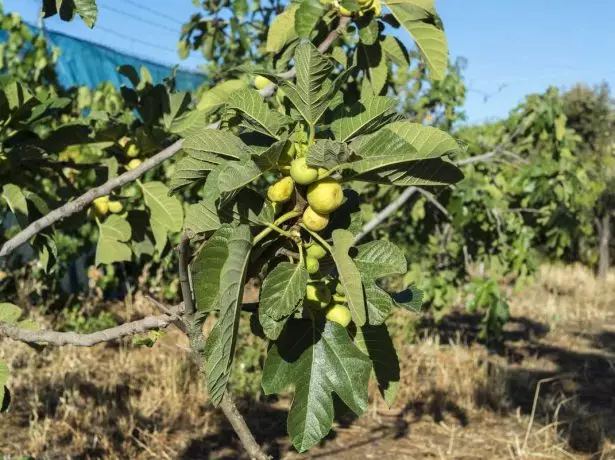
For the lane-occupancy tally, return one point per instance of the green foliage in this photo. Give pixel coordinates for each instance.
(317, 359)
(369, 117)
(75, 320)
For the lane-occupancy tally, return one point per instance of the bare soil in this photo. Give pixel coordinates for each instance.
(547, 391)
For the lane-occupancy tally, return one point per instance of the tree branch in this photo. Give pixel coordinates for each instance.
(84, 200)
(241, 428)
(432, 200)
(184, 276)
(385, 213)
(88, 340)
(406, 194)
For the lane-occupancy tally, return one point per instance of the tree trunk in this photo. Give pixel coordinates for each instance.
(604, 234)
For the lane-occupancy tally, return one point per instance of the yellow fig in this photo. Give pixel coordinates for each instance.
(316, 251)
(325, 196)
(101, 205)
(312, 265)
(302, 173)
(115, 207)
(339, 314)
(132, 164)
(281, 191)
(314, 221)
(318, 295)
(132, 150)
(261, 82)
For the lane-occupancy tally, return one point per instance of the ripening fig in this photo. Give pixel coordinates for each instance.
(115, 207)
(101, 205)
(325, 196)
(318, 295)
(339, 314)
(312, 265)
(123, 142)
(339, 298)
(302, 173)
(261, 82)
(314, 221)
(281, 191)
(316, 251)
(132, 150)
(132, 164)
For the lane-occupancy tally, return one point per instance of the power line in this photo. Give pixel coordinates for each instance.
(139, 18)
(154, 12)
(135, 40)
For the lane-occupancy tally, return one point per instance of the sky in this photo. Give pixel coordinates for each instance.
(512, 47)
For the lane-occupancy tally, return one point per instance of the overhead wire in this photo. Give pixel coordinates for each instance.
(153, 11)
(138, 18)
(135, 40)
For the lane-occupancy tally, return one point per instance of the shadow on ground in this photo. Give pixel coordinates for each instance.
(577, 392)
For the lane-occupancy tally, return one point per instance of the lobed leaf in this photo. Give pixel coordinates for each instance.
(282, 29)
(376, 343)
(256, 113)
(316, 359)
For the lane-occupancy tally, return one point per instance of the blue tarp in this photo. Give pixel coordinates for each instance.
(83, 63)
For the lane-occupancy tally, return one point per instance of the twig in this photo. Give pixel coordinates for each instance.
(80, 203)
(88, 340)
(432, 200)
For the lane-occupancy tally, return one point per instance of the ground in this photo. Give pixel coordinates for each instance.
(548, 391)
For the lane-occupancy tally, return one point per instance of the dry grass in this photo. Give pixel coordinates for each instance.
(458, 399)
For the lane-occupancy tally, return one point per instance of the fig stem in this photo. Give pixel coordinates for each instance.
(276, 223)
(316, 236)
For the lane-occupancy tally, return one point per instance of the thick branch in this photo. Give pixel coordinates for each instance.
(87, 340)
(241, 428)
(84, 200)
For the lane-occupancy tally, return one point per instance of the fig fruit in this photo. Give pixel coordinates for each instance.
(325, 196)
(314, 221)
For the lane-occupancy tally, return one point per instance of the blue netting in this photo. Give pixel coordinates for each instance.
(84, 63)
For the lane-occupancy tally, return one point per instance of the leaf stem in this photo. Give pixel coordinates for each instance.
(280, 220)
(312, 134)
(316, 236)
